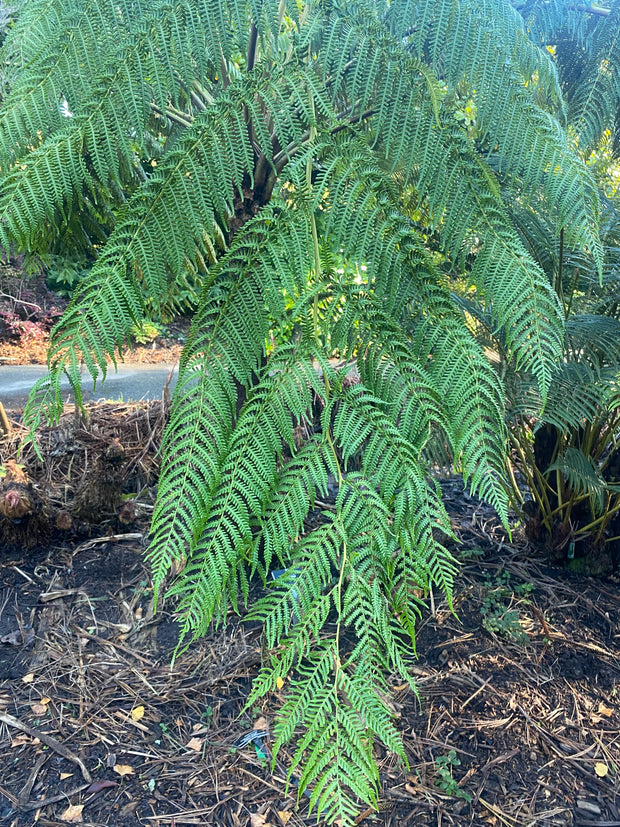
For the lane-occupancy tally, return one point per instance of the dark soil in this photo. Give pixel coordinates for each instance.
(517, 721)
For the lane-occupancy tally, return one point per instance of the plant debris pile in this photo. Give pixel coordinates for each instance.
(98, 466)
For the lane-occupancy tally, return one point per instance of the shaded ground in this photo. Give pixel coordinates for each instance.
(518, 720)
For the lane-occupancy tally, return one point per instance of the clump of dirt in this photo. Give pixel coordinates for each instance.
(95, 467)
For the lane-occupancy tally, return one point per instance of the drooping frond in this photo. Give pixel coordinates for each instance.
(582, 475)
(577, 394)
(226, 343)
(586, 44)
(594, 89)
(543, 19)
(510, 281)
(456, 37)
(594, 339)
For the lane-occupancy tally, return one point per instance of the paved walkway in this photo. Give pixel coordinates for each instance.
(130, 383)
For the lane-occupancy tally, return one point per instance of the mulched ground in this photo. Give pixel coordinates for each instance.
(517, 721)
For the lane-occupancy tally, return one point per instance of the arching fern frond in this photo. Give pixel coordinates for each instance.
(582, 476)
(595, 95)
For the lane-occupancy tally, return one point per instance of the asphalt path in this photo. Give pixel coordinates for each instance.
(130, 383)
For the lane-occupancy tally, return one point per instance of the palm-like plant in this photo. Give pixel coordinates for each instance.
(288, 134)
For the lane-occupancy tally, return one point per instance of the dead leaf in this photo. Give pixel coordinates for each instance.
(45, 701)
(13, 638)
(73, 814)
(279, 682)
(39, 709)
(257, 820)
(65, 775)
(20, 740)
(129, 808)
(195, 744)
(123, 770)
(260, 723)
(28, 678)
(604, 710)
(137, 712)
(601, 769)
(284, 816)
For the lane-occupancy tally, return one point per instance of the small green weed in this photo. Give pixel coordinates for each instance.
(498, 614)
(445, 781)
(64, 273)
(146, 332)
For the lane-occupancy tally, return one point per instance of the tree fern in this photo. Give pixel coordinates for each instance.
(311, 164)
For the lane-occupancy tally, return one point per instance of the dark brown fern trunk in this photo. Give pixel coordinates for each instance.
(246, 205)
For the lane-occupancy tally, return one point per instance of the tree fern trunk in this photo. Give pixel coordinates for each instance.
(247, 205)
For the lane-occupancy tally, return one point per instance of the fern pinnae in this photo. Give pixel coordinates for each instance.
(288, 507)
(582, 476)
(194, 442)
(244, 484)
(350, 119)
(597, 95)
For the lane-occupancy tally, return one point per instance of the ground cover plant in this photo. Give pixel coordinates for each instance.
(316, 165)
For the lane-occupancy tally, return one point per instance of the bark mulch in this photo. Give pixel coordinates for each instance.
(517, 721)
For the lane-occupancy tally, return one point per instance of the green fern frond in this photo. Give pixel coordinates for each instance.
(577, 394)
(456, 38)
(594, 338)
(545, 18)
(247, 467)
(293, 492)
(312, 164)
(479, 411)
(582, 476)
(596, 98)
(336, 738)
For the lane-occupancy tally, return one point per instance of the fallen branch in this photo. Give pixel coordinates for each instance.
(5, 425)
(50, 742)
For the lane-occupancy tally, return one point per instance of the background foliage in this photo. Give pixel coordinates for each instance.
(324, 170)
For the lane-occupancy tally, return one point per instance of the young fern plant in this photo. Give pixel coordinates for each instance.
(565, 466)
(288, 134)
